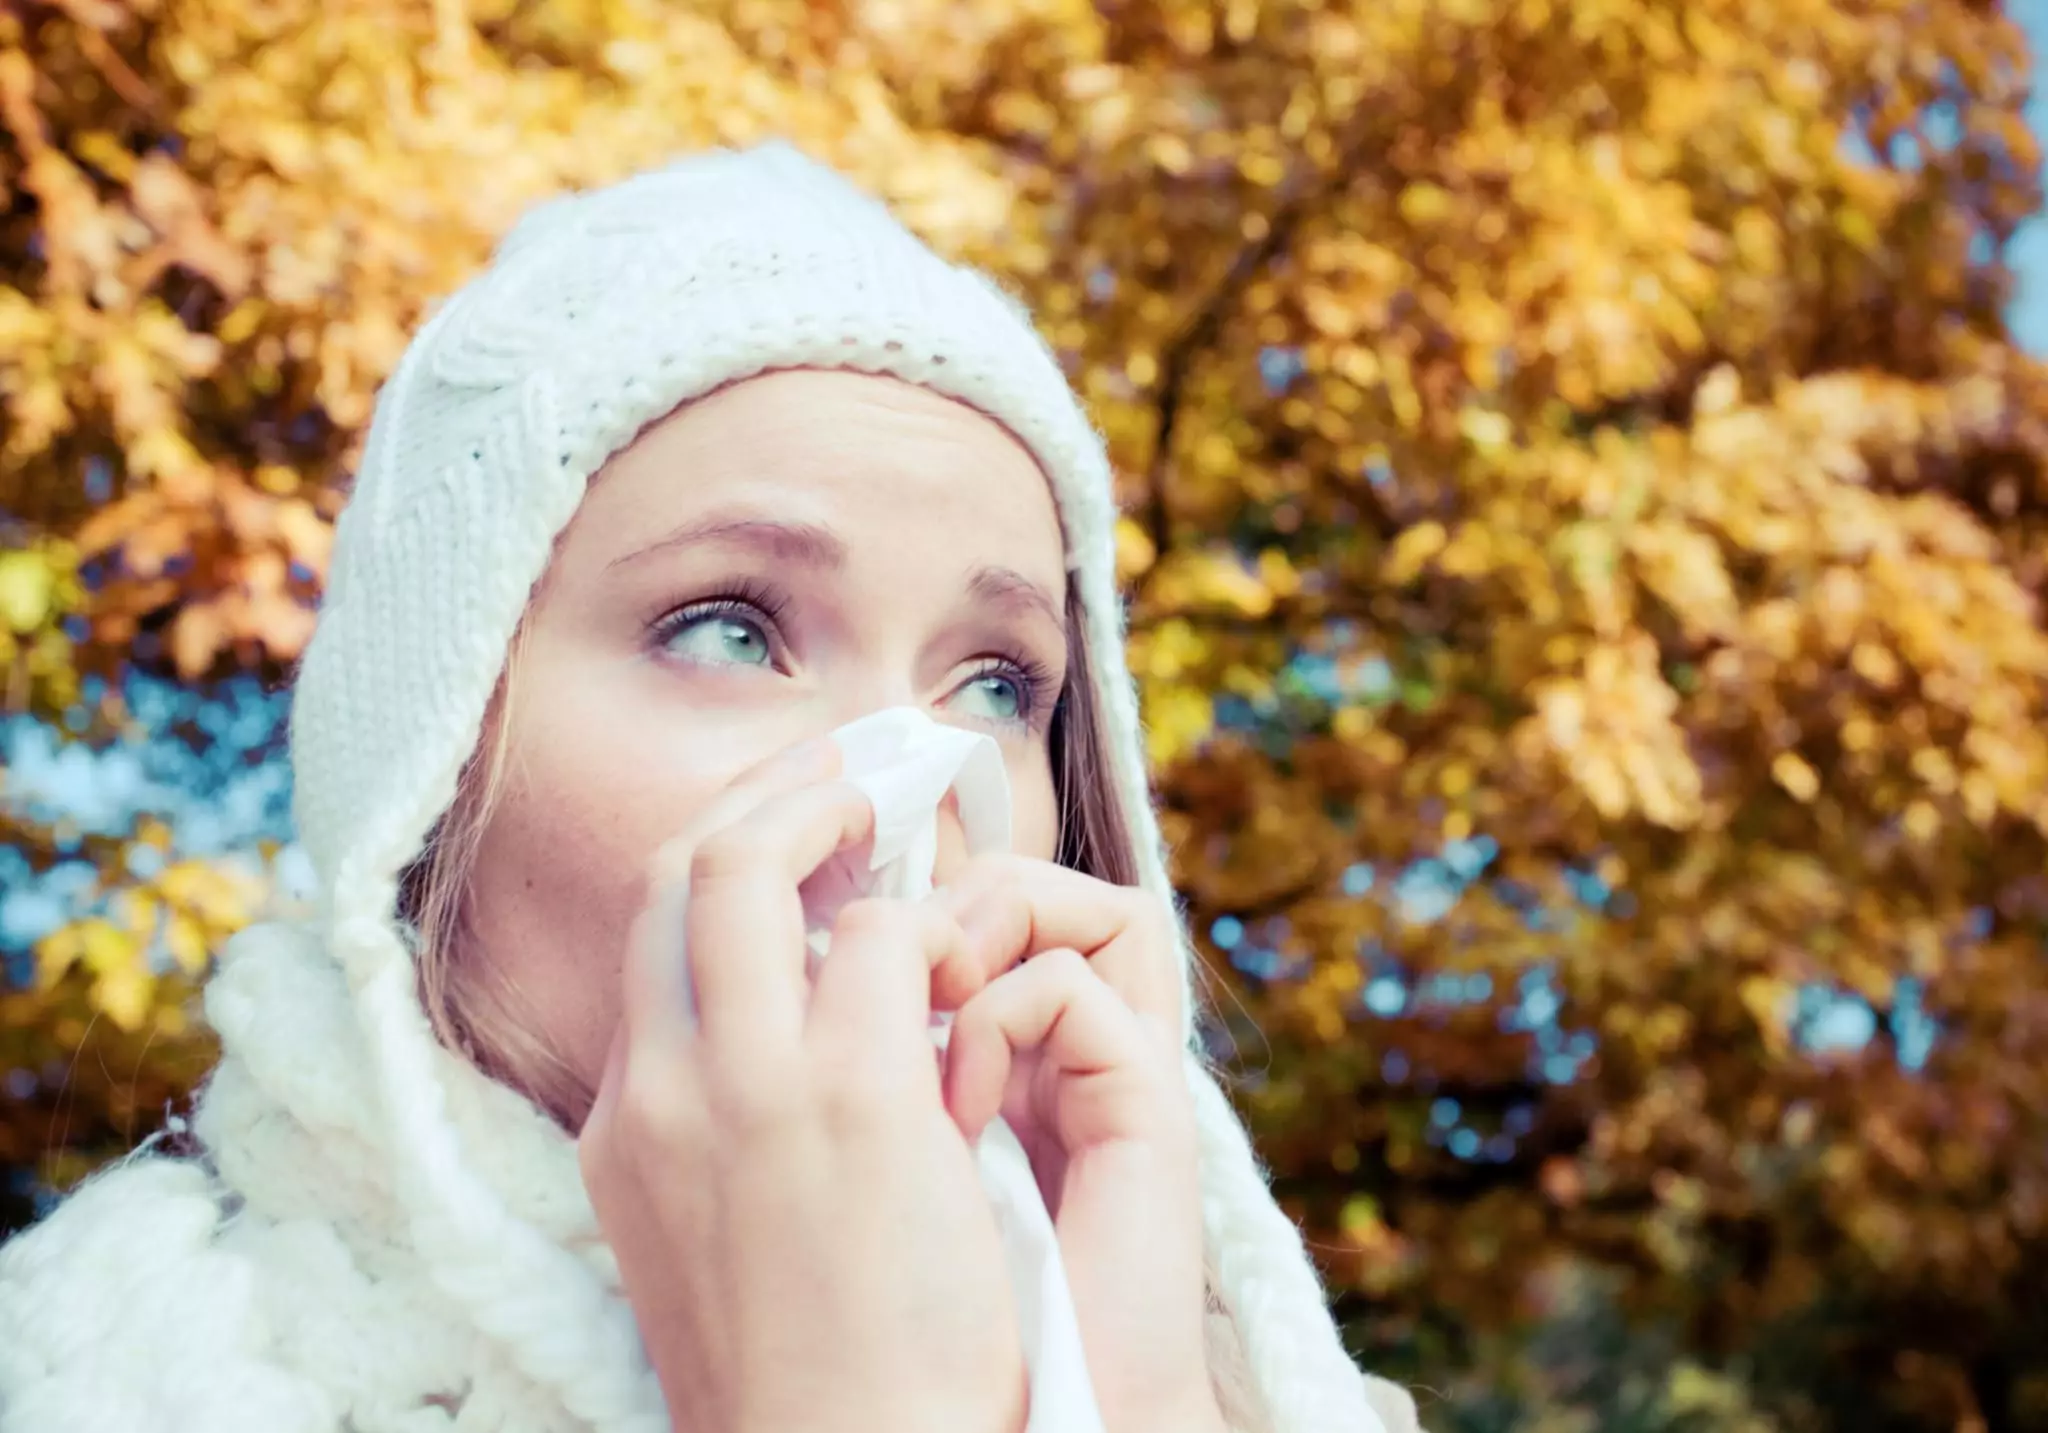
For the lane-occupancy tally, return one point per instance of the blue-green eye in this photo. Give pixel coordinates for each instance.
(718, 637)
(995, 696)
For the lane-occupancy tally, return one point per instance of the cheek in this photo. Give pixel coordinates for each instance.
(1035, 813)
(552, 897)
(561, 872)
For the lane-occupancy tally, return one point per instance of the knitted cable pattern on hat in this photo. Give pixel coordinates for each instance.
(388, 1170)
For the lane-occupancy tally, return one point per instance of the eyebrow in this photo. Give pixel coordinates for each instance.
(1005, 587)
(800, 544)
(803, 544)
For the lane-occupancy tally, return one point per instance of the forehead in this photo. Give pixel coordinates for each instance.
(884, 464)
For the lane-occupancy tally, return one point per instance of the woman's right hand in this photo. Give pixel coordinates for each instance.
(798, 1222)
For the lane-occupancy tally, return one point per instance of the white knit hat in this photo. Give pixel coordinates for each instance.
(600, 314)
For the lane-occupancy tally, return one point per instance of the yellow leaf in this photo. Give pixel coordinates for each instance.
(1176, 720)
(1423, 204)
(27, 589)
(1351, 723)
(1485, 429)
(124, 996)
(1790, 771)
(187, 944)
(207, 892)
(241, 321)
(1601, 779)
(56, 953)
(1135, 553)
(139, 911)
(1360, 1216)
(195, 638)
(108, 948)
(1170, 152)
(1718, 393)
(1411, 551)
(1278, 573)
(1769, 1002)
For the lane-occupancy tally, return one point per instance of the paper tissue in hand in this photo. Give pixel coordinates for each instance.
(906, 763)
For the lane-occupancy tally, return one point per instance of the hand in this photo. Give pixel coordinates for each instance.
(1078, 1049)
(799, 1225)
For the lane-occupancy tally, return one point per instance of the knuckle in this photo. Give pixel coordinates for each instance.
(946, 936)
(858, 1094)
(873, 917)
(1063, 965)
(989, 873)
(737, 850)
(653, 1111)
(671, 863)
(758, 1106)
(976, 1025)
(866, 1093)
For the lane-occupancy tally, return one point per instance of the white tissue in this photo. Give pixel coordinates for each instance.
(905, 763)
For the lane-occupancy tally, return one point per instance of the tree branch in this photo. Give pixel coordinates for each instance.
(1177, 362)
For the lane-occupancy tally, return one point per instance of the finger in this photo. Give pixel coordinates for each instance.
(871, 998)
(1013, 908)
(606, 1100)
(951, 855)
(744, 924)
(805, 764)
(655, 983)
(1057, 1007)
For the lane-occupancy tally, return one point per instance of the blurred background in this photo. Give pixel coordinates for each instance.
(1586, 490)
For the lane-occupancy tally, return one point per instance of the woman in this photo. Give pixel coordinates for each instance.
(704, 466)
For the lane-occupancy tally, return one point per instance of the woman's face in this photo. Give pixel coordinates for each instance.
(767, 564)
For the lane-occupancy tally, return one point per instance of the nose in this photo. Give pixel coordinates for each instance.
(874, 692)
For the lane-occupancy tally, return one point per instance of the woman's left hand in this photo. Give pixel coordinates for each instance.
(1068, 1026)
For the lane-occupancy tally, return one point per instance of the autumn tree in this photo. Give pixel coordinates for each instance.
(1586, 536)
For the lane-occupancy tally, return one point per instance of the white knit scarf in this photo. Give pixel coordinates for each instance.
(272, 1281)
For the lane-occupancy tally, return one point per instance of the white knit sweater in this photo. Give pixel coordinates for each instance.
(272, 1284)
(375, 1238)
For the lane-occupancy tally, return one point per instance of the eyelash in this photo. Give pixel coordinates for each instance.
(1034, 681)
(768, 605)
(745, 598)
